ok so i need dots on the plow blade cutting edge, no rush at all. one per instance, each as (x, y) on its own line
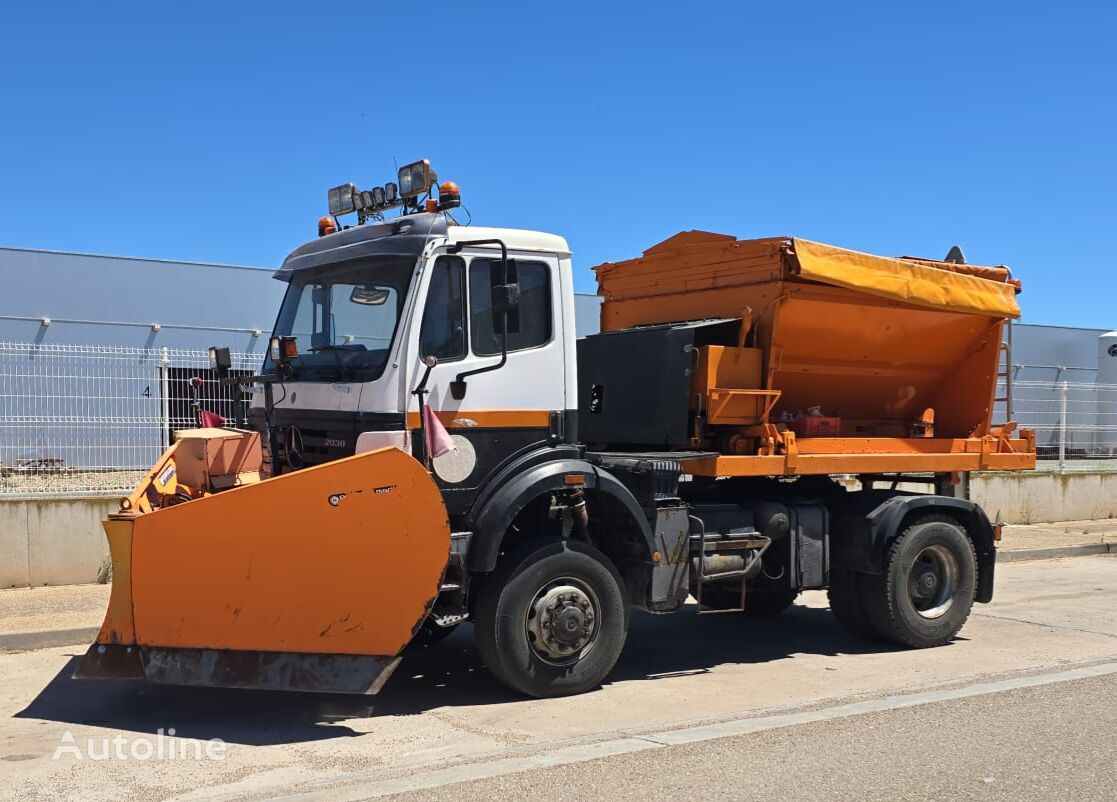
(312, 581)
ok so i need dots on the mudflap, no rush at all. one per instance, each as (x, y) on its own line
(311, 581)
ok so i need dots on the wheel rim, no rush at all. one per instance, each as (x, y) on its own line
(933, 581)
(563, 621)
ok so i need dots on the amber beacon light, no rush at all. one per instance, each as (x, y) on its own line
(449, 196)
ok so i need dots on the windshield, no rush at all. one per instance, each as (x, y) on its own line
(345, 317)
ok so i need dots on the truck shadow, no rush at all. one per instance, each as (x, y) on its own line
(448, 673)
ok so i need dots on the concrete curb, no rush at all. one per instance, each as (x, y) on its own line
(44, 639)
(1053, 552)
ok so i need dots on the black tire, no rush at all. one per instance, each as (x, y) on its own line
(506, 610)
(844, 594)
(891, 602)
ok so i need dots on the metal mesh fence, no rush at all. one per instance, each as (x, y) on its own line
(1075, 422)
(81, 419)
(90, 419)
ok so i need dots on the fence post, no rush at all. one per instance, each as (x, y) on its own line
(165, 398)
(1062, 424)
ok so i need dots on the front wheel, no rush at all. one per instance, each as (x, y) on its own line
(552, 619)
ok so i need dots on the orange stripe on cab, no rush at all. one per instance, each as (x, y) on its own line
(488, 419)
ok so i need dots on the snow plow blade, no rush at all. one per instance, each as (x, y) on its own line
(310, 581)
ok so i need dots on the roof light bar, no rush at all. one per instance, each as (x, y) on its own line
(415, 179)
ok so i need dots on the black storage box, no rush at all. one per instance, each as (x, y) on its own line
(634, 384)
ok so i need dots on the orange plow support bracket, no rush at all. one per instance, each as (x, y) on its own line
(313, 580)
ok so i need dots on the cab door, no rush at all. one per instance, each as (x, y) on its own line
(501, 411)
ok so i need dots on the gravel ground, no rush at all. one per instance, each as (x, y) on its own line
(63, 607)
(1064, 533)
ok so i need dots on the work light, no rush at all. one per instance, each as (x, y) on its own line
(282, 349)
(391, 193)
(220, 360)
(377, 194)
(342, 199)
(415, 178)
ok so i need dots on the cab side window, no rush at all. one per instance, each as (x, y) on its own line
(529, 326)
(442, 333)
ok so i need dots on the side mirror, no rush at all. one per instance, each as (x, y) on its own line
(506, 298)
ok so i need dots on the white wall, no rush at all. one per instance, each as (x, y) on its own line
(1046, 496)
(53, 541)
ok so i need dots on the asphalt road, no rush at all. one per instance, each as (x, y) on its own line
(1020, 706)
(1056, 742)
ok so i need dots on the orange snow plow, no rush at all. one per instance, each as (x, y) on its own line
(313, 581)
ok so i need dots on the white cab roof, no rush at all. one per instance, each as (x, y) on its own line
(517, 239)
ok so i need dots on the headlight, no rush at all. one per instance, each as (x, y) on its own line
(341, 199)
(377, 197)
(391, 193)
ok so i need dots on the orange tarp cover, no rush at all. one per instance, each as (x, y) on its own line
(904, 280)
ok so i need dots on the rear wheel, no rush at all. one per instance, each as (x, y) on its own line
(844, 594)
(552, 619)
(927, 589)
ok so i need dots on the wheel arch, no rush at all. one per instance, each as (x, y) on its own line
(874, 523)
(512, 492)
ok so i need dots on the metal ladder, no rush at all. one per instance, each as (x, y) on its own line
(707, 546)
(1004, 371)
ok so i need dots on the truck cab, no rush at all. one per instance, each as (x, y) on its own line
(369, 304)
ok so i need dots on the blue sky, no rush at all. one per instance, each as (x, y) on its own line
(212, 131)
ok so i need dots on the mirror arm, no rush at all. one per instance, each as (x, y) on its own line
(457, 247)
(457, 387)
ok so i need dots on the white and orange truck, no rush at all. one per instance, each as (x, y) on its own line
(430, 444)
